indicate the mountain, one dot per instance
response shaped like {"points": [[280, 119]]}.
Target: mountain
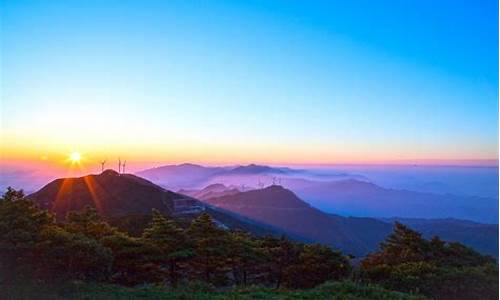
{"points": [[481, 237], [212, 191], [257, 169], [361, 198], [111, 193], [129, 197], [191, 176], [334, 191], [281, 208], [272, 210], [180, 176]]}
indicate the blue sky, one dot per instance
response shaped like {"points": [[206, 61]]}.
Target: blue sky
{"points": [[263, 81]]}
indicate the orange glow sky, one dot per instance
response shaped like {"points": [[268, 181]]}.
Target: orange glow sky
{"points": [[163, 82]]}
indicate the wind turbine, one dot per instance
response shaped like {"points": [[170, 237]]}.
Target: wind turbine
{"points": [[123, 167], [102, 165], [119, 165]]}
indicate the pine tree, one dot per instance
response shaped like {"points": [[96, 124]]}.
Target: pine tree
{"points": [[280, 253], [406, 262], [71, 255], [170, 243], [245, 255], [134, 259], [210, 245], [21, 227], [89, 223], [316, 264], [403, 245]]}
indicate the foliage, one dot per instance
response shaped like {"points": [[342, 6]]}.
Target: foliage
{"points": [[88, 223], [210, 245], [64, 255], [199, 260], [281, 254], [171, 249], [21, 227], [132, 260], [409, 263], [246, 257], [316, 264]]}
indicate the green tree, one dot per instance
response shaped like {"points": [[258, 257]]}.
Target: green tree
{"points": [[280, 253], [170, 245], [316, 264], [245, 256], [21, 226], [133, 260], [403, 245], [210, 246], [89, 223], [407, 262], [71, 255]]}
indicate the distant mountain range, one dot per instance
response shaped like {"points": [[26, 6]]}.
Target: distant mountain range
{"points": [[339, 193], [180, 176], [360, 198], [189, 176], [211, 191], [281, 208]]}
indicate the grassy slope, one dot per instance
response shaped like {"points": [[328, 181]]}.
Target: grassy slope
{"points": [[331, 291]]}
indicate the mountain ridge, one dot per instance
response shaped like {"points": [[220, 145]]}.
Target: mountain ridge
{"points": [[280, 207], [354, 235], [120, 195]]}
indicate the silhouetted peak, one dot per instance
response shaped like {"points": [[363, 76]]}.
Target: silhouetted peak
{"points": [[110, 193], [355, 183], [189, 165], [271, 196], [275, 187], [109, 172], [253, 168], [213, 185]]}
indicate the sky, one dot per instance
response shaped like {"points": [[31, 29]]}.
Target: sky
{"points": [[249, 81]]}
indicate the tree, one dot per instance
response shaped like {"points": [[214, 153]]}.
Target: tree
{"points": [[89, 223], [133, 260], [403, 245], [21, 225], [12, 194], [71, 255], [170, 244], [280, 253], [210, 247], [316, 264], [409, 263], [245, 256]]}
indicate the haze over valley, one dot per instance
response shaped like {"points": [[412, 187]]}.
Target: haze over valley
{"points": [[340, 208]]}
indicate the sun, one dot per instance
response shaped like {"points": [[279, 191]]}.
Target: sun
{"points": [[75, 157]]}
